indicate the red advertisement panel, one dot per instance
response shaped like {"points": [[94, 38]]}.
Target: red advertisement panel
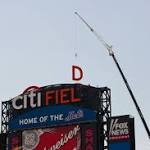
{"points": [[62, 138]]}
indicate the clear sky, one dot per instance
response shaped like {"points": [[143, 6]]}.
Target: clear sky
{"points": [[39, 39]]}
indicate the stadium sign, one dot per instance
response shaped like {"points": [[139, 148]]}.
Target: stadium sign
{"points": [[59, 94], [34, 99]]}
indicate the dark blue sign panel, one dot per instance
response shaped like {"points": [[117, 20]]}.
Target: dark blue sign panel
{"points": [[52, 116], [120, 146]]}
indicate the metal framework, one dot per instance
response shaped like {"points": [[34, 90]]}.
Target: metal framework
{"points": [[104, 115], [5, 116]]}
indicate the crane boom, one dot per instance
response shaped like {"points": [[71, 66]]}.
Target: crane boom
{"points": [[111, 53]]}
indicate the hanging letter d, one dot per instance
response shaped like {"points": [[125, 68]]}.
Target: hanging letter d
{"points": [[77, 73]]}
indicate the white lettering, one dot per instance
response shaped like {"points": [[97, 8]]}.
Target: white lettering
{"points": [[14, 101], [74, 115], [43, 118], [64, 139], [31, 96], [56, 117], [117, 129], [25, 101], [28, 121], [30, 100]]}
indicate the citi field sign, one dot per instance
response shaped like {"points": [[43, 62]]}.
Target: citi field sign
{"points": [[61, 94], [35, 99]]}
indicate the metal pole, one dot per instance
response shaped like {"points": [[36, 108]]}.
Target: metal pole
{"points": [[111, 53]]}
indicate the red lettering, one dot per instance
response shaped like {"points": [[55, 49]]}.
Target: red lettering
{"points": [[50, 95], [57, 98], [74, 71], [73, 99], [63, 95]]}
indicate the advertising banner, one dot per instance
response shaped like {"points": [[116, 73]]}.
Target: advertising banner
{"points": [[73, 137], [52, 116], [121, 133], [70, 137], [62, 138]]}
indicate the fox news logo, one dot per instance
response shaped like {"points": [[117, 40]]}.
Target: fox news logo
{"points": [[118, 130]]}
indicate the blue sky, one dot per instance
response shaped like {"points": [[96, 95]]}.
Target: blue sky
{"points": [[39, 39]]}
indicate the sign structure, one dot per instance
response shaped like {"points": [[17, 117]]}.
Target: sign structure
{"points": [[61, 116], [121, 133]]}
